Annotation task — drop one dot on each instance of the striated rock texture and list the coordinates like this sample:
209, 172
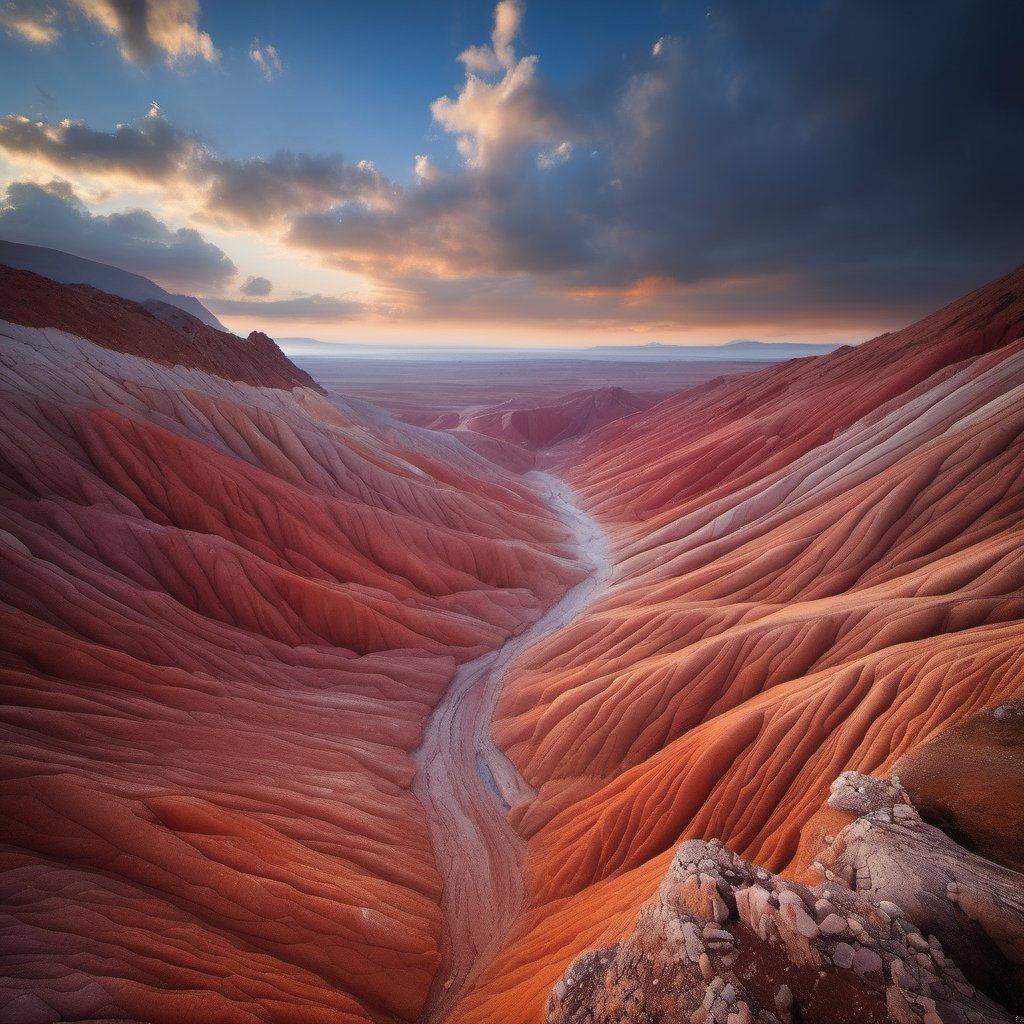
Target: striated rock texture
975, 906
818, 568
728, 942
514, 432
542, 425
154, 330
228, 605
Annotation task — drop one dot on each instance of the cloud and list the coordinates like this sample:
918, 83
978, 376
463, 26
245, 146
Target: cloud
253, 193
508, 19
266, 58
301, 307
557, 155
471, 221
257, 286
792, 157
148, 29
498, 119
147, 150
233, 193
54, 216
797, 153
30, 23
144, 29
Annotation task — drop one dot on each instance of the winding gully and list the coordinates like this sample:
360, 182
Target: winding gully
466, 784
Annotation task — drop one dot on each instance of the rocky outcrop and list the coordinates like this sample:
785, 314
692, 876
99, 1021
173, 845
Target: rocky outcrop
727, 942
975, 906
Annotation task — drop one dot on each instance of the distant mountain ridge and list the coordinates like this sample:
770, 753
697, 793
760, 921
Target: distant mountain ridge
655, 351
68, 269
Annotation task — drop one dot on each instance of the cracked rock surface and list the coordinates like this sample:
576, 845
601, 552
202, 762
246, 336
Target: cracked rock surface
897, 931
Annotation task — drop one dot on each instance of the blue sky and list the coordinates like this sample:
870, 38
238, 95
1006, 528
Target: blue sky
644, 171
357, 77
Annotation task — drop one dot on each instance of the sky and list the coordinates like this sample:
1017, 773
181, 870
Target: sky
538, 174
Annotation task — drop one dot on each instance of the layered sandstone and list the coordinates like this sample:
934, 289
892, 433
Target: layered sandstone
818, 568
228, 605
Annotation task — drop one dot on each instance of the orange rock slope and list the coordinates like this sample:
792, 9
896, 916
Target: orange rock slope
817, 567
227, 609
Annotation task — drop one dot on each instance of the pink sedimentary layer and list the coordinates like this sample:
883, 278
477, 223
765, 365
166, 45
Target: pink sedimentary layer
818, 567
227, 611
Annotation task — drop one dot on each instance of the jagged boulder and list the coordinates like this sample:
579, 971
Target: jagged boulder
975, 906
728, 942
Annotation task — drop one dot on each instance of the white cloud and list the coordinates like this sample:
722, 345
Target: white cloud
508, 19
33, 24
267, 59
495, 119
554, 157
426, 169
144, 29
489, 60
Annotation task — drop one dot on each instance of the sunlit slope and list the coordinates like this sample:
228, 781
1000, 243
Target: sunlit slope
227, 609
818, 567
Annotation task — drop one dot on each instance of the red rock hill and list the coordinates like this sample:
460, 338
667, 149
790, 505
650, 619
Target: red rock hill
154, 330
227, 605
818, 568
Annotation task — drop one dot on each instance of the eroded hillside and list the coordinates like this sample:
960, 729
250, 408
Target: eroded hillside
818, 568
230, 603
228, 606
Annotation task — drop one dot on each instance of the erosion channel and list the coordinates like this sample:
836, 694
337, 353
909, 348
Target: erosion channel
466, 784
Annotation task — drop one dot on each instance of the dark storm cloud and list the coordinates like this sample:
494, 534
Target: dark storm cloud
826, 148
300, 307
829, 139
53, 216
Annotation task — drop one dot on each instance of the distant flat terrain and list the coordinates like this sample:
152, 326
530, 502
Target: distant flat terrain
413, 389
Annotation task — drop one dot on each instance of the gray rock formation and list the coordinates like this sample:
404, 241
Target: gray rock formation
975, 906
728, 942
